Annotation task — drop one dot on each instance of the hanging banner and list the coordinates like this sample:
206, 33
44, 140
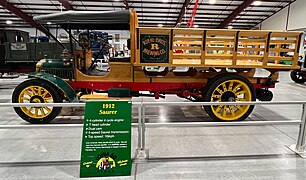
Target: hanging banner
106, 143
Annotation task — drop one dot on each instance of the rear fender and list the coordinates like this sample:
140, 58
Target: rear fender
62, 85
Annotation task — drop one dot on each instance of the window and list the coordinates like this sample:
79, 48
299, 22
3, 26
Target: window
117, 37
19, 38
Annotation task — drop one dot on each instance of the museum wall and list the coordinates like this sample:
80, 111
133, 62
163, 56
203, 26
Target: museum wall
297, 16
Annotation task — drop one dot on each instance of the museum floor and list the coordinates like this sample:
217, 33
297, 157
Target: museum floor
220, 152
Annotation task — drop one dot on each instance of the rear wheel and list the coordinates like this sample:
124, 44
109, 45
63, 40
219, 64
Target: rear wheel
297, 76
229, 88
37, 91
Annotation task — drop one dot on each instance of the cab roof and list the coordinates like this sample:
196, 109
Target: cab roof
115, 20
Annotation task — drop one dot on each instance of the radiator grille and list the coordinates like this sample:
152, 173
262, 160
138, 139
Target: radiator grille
62, 73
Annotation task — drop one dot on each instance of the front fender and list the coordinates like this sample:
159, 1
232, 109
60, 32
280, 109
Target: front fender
57, 82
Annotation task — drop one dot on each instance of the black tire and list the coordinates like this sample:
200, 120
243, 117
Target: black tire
297, 77
56, 96
216, 82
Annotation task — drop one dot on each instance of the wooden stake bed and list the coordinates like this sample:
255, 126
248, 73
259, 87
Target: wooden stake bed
218, 48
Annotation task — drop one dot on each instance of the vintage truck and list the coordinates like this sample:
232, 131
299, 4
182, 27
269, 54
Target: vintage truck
219, 65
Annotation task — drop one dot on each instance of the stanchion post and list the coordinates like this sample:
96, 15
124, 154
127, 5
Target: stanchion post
141, 154
143, 123
300, 146
139, 128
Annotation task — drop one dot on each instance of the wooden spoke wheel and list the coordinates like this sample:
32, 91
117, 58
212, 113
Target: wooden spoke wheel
298, 76
37, 91
229, 88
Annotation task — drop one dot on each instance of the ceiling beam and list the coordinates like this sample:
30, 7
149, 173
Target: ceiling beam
182, 12
66, 4
161, 9
199, 16
25, 17
152, 1
138, 4
235, 13
35, 4
198, 21
164, 9
126, 4
198, 13
286, 1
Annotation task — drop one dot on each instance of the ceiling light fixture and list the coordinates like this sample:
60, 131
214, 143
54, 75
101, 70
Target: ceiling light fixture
165, 1
160, 25
257, 3
212, 1
230, 27
196, 26
49, 23
9, 22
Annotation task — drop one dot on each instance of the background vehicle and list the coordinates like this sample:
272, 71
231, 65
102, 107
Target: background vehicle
239, 50
20, 53
299, 75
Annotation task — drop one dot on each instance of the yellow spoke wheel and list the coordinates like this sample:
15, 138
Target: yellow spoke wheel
229, 88
37, 91
36, 94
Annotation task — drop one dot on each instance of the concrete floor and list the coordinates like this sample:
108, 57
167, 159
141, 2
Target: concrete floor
240, 152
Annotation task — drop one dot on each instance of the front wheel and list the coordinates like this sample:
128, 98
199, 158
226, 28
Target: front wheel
298, 76
37, 91
229, 88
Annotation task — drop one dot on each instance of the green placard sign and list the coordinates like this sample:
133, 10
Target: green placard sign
106, 143
154, 48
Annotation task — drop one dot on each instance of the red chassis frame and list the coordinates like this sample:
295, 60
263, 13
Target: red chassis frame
156, 87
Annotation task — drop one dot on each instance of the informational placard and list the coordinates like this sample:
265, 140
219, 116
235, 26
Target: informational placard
106, 143
154, 48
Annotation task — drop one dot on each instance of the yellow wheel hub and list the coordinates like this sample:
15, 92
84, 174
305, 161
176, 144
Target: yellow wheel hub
36, 100
231, 91
36, 94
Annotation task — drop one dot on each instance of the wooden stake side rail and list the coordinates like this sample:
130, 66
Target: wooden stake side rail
227, 48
